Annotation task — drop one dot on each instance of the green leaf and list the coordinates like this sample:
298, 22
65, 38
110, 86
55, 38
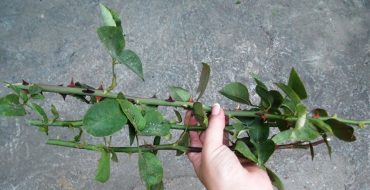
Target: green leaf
179, 94
114, 157
275, 180
112, 38
178, 115
341, 130
182, 141
15, 89
200, 114
288, 106
104, 118
107, 16
103, 170
150, 168
282, 136
318, 112
133, 114
132, 61
266, 98
306, 133
154, 124
260, 83
158, 186
23, 96
239, 128
289, 92
322, 125
258, 131
236, 91
37, 96
264, 151
203, 81
243, 149
40, 111
277, 99
10, 106
132, 133
55, 112
34, 89
297, 85
156, 141
77, 138
301, 115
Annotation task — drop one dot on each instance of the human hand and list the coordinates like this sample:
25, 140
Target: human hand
217, 167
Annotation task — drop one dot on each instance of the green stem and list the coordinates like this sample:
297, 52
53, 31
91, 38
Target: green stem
158, 102
142, 148
79, 123
149, 147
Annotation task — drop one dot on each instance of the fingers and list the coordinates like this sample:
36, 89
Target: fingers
190, 118
215, 132
195, 141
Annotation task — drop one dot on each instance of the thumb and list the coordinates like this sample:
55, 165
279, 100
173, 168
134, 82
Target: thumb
215, 131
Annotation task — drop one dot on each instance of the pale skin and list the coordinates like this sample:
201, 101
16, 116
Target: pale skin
217, 167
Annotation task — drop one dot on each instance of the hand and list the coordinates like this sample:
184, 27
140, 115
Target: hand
217, 167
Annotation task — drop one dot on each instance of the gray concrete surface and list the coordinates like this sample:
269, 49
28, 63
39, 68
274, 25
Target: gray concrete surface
50, 41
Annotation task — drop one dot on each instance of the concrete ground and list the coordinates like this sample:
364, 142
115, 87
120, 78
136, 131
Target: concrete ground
50, 41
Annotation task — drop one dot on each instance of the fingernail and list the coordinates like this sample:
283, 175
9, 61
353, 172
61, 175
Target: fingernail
216, 109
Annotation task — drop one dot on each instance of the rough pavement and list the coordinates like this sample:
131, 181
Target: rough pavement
50, 41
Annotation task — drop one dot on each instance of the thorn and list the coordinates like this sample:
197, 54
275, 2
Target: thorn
25, 83
71, 84
101, 87
88, 91
263, 116
63, 95
191, 99
170, 99
99, 98
238, 107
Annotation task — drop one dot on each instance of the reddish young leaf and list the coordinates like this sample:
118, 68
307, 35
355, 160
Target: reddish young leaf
25, 83
99, 98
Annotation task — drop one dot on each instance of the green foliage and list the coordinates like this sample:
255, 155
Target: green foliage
10, 106
251, 134
132, 61
150, 169
306, 133
289, 92
264, 151
40, 111
182, 141
243, 149
112, 38
155, 124
179, 94
54, 112
203, 81
341, 130
296, 84
259, 131
104, 118
236, 91
200, 114
275, 180
133, 114
103, 170
107, 16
